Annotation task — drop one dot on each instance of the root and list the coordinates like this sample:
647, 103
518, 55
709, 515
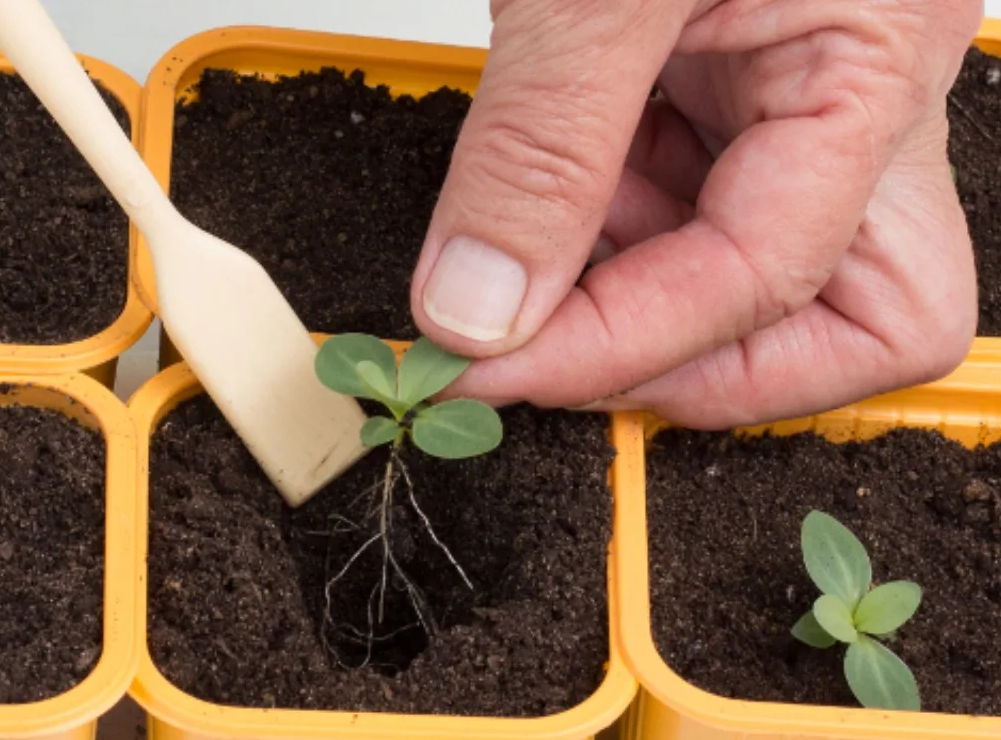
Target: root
382, 511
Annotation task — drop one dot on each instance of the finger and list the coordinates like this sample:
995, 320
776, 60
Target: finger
776, 214
639, 211
669, 152
813, 362
900, 310
536, 165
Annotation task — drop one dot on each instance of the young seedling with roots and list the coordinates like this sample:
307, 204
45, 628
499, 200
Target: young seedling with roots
852, 612
365, 367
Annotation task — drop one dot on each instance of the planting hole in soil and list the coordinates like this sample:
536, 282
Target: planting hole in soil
238, 612
64, 241
52, 476
319, 175
728, 581
975, 149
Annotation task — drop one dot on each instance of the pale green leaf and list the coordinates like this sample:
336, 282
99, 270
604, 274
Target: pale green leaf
886, 607
833, 616
836, 561
378, 431
807, 629
879, 679
338, 359
457, 429
373, 377
427, 369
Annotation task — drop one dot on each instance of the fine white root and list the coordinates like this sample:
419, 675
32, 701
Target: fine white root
382, 511
430, 529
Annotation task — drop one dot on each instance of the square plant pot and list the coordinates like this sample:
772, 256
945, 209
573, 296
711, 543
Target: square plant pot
67, 251
887, 471
69, 627
241, 645
334, 173
965, 407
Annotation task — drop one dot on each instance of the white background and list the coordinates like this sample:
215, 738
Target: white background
134, 34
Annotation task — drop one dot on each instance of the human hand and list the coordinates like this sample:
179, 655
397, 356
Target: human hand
803, 250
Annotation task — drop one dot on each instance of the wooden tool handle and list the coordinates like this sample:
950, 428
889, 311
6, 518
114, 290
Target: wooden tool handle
40, 54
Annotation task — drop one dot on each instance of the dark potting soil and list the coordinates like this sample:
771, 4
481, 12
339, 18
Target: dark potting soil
330, 183
975, 150
51, 553
728, 581
237, 580
64, 241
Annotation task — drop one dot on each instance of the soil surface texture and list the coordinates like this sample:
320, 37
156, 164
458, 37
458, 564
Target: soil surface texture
329, 182
238, 606
51, 553
975, 150
64, 241
728, 580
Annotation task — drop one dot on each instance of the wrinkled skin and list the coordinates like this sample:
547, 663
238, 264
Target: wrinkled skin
778, 232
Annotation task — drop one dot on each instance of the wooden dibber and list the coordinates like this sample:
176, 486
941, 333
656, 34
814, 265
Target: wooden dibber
225, 315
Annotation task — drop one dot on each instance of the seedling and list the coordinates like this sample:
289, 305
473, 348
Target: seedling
852, 612
365, 367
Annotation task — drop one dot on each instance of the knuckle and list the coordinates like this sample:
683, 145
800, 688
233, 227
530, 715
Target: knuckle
541, 156
944, 345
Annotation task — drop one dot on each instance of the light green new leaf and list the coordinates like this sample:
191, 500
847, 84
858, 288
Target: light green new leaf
886, 607
834, 617
457, 429
378, 384
427, 369
807, 629
835, 559
338, 359
378, 431
879, 679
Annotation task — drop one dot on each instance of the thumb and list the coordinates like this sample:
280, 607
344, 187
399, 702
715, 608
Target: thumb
536, 165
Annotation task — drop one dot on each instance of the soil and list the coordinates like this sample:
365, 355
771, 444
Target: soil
64, 241
51, 553
329, 182
728, 581
975, 150
237, 580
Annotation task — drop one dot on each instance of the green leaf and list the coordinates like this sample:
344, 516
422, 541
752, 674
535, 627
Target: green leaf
373, 377
427, 369
835, 559
833, 615
807, 629
457, 429
886, 607
879, 679
338, 359
378, 431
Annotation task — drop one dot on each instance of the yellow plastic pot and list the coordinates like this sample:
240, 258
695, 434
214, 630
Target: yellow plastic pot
411, 68
966, 407
175, 715
97, 355
73, 715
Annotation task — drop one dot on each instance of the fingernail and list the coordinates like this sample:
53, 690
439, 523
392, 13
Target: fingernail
475, 290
